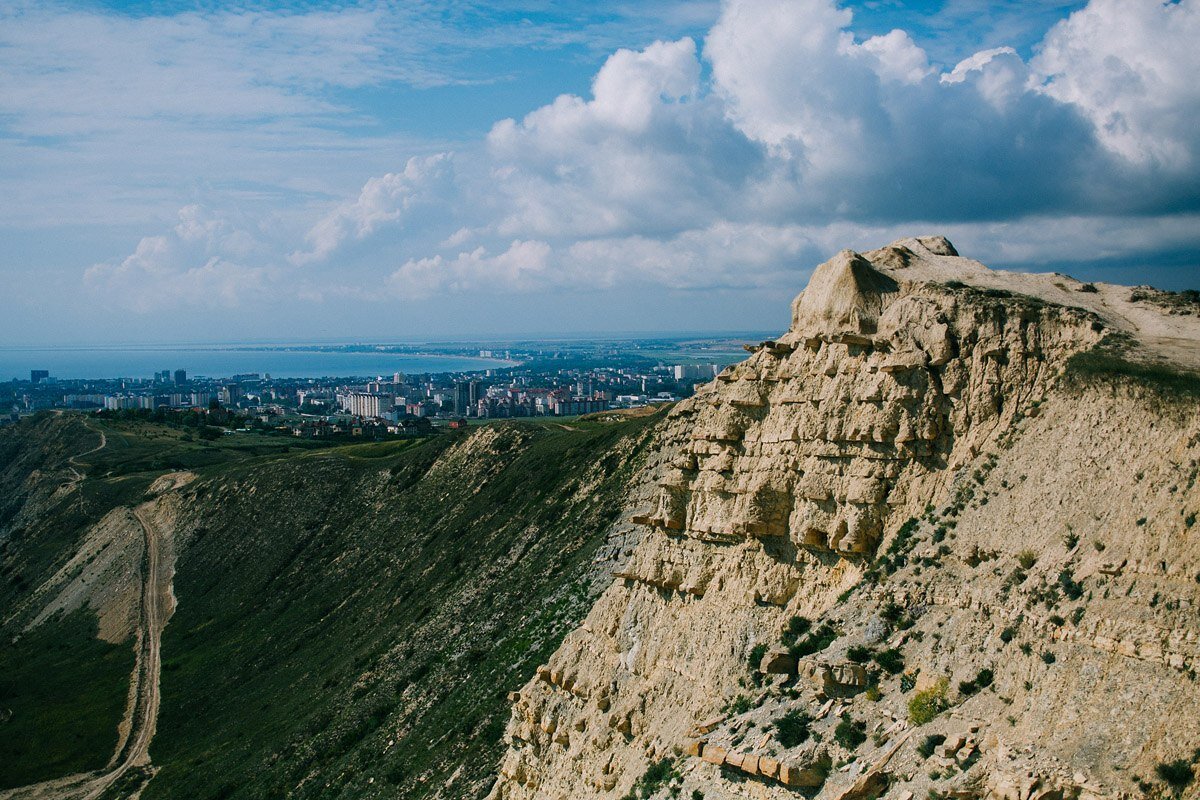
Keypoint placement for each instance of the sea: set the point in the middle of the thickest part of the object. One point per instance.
(211, 361)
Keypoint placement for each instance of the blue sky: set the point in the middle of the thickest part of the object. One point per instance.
(175, 171)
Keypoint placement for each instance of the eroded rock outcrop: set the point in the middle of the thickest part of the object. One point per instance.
(842, 457)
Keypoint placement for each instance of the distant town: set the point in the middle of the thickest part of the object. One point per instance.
(567, 382)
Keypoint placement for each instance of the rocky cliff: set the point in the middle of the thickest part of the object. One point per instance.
(937, 539)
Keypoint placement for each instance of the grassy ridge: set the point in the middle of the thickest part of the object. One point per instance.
(1110, 360)
(352, 626)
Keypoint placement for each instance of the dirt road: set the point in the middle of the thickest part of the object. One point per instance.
(133, 751)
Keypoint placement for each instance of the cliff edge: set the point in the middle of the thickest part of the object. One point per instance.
(938, 539)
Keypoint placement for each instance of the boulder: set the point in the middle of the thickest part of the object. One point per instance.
(778, 661)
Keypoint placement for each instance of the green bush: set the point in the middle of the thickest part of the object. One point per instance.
(1176, 774)
(1070, 587)
(814, 642)
(792, 728)
(756, 656)
(928, 703)
(859, 654)
(1026, 558)
(890, 660)
(930, 743)
(740, 704)
(850, 733)
(796, 627)
(656, 777)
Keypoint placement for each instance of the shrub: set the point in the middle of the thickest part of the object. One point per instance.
(850, 733)
(892, 612)
(1026, 558)
(1048, 657)
(930, 743)
(792, 728)
(740, 704)
(655, 778)
(859, 654)
(756, 656)
(796, 627)
(1071, 588)
(1008, 634)
(814, 642)
(891, 660)
(907, 682)
(984, 678)
(928, 703)
(1176, 774)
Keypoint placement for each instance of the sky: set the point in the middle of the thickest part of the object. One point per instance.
(213, 172)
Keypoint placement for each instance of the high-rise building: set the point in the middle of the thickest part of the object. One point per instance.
(367, 404)
(180, 377)
(691, 372)
(38, 375)
(466, 397)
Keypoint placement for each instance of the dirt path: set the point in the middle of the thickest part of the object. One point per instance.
(73, 462)
(134, 749)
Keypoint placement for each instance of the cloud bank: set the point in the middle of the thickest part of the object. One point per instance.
(742, 160)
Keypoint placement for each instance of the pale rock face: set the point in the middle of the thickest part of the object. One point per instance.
(784, 476)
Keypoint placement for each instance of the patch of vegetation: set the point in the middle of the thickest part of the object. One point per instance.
(928, 703)
(890, 660)
(1110, 361)
(1027, 558)
(329, 599)
(656, 777)
(1070, 587)
(814, 642)
(795, 628)
(793, 728)
(756, 656)
(930, 743)
(982, 680)
(902, 543)
(65, 690)
(859, 654)
(1176, 774)
(850, 732)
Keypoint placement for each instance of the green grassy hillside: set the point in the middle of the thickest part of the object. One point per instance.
(350, 619)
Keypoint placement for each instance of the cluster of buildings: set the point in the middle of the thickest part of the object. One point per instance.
(393, 404)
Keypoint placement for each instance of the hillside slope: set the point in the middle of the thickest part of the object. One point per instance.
(937, 540)
(344, 622)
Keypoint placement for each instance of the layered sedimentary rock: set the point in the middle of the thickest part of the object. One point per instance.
(844, 471)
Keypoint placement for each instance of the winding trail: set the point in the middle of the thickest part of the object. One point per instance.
(133, 749)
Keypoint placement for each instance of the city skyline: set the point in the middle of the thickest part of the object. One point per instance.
(390, 171)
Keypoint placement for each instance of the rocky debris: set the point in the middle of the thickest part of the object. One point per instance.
(835, 680)
(809, 773)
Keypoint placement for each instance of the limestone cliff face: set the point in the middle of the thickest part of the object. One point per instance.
(838, 481)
